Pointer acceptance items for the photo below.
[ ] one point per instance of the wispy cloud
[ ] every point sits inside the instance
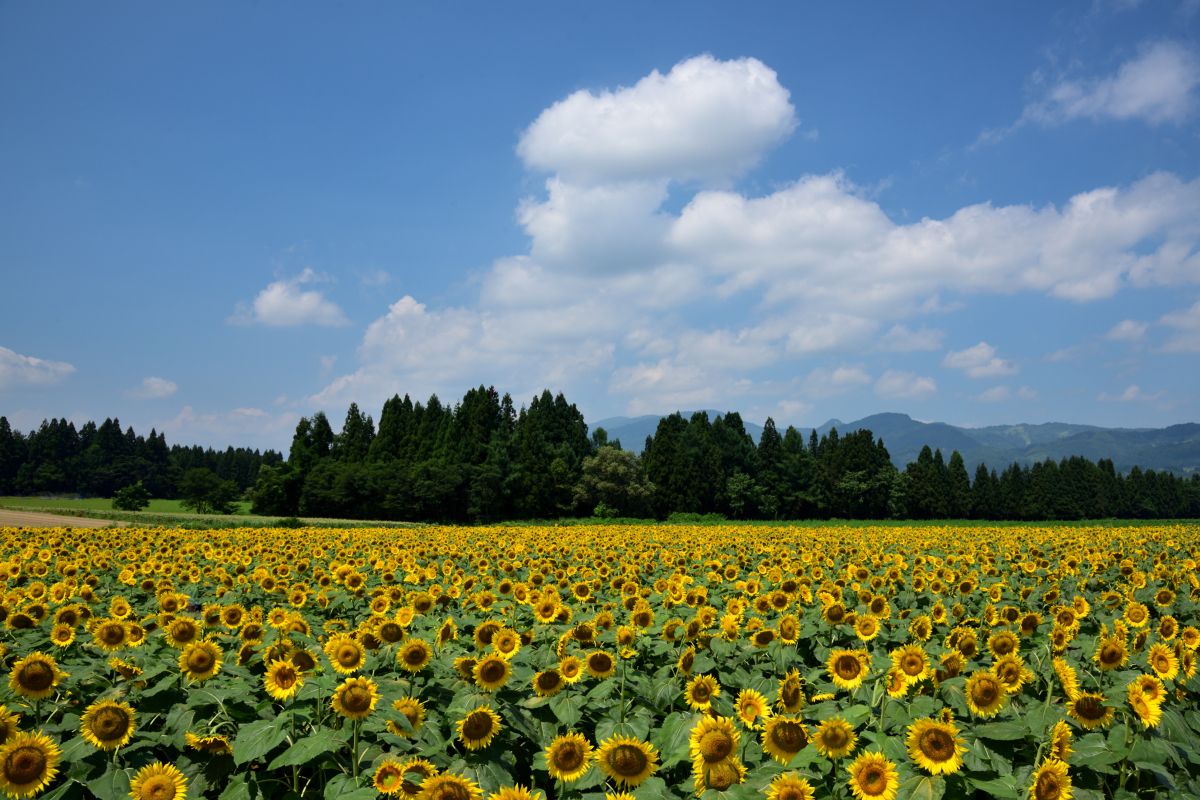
(153, 388)
(22, 370)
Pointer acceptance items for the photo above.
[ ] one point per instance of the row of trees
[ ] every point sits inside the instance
(98, 460)
(484, 460)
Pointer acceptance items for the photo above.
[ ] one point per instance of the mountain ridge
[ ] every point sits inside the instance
(1174, 448)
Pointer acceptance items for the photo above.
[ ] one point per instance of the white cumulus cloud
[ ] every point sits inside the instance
(704, 119)
(979, 361)
(286, 303)
(21, 370)
(154, 388)
(1127, 330)
(900, 384)
(1186, 327)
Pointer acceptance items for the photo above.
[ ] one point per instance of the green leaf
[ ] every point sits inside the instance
(1001, 731)
(1005, 788)
(112, 785)
(567, 708)
(305, 750)
(922, 787)
(257, 739)
(236, 789)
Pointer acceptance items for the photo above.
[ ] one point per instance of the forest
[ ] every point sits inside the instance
(485, 460)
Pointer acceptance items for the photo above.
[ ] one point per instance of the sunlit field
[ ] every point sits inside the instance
(601, 661)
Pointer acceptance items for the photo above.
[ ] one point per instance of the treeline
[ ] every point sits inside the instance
(98, 460)
(484, 460)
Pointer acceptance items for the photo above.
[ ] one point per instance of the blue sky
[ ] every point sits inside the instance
(216, 218)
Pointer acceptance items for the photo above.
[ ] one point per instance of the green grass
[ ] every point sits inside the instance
(102, 504)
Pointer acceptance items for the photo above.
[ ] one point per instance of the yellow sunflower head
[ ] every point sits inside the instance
(568, 757)
(600, 664)
(414, 655)
(200, 660)
(935, 746)
(752, 708)
(35, 676)
(389, 777)
(713, 739)
(835, 738)
(784, 737)
(848, 668)
(413, 711)
(700, 692)
(283, 679)
(873, 777)
(491, 672)
(986, 694)
(108, 724)
(346, 654)
(450, 787)
(477, 728)
(28, 763)
(158, 781)
(548, 683)
(791, 692)
(626, 760)
(1089, 710)
(1050, 781)
(355, 698)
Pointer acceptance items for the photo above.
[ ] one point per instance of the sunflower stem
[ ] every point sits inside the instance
(295, 767)
(354, 751)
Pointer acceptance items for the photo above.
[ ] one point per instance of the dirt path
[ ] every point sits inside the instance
(31, 519)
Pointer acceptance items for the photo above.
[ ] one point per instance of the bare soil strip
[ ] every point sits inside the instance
(33, 519)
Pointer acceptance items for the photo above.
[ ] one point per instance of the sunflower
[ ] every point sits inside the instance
(752, 708)
(1111, 653)
(866, 627)
(1136, 614)
(28, 763)
(200, 660)
(791, 692)
(686, 659)
(1088, 710)
(517, 792)
(789, 786)
(783, 738)
(713, 739)
(9, 723)
(717, 775)
(1050, 781)
(1060, 741)
(35, 676)
(548, 683)
(62, 635)
(1012, 672)
(182, 631)
(412, 710)
(912, 661)
(600, 664)
(215, 743)
(700, 691)
(158, 781)
(355, 698)
(414, 655)
(935, 746)
(835, 738)
(567, 757)
(1067, 677)
(1003, 643)
(450, 787)
(282, 679)
(506, 642)
(108, 724)
(389, 777)
(848, 668)
(985, 694)
(1148, 710)
(477, 729)
(571, 669)
(491, 672)
(627, 760)
(346, 654)
(1163, 661)
(873, 776)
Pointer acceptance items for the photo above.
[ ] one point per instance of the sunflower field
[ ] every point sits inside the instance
(601, 662)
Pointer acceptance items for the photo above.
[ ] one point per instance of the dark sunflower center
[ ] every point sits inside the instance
(788, 736)
(835, 738)
(285, 677)
(1047, 787)
(715, 746)
(549, 680)
(912, 664)
(985, 693)
(600, 662)
(1089, 708)
(1110, 653)
(36, 676)
(303, 660)
(478, 725)
(847, 667)
(25, 765)
(491, 671)
(112, 634)
(873, 779)
(1003, 646)
(568, 757)
(390, 632)
(200, 660)
(414, 656)
(159, 787)
(937, 745)
(790, 694)
(348, 655)
(628, 760)
(356, 699)
(686, 662)
(110, 724)
(722, 776)
(450, 791)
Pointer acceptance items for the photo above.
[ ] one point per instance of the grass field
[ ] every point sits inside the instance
(102, 504)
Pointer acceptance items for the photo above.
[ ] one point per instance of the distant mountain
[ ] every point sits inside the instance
(1175, 448)
(632, 431)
